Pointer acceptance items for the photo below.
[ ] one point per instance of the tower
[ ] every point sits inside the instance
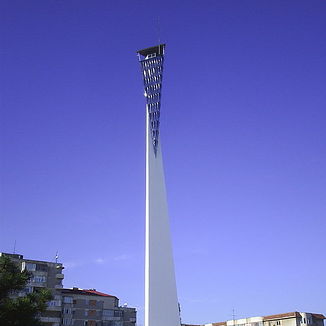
(161, 303)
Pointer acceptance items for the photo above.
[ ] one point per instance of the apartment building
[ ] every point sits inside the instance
(286, 319)
(73, 307)
(44, 275)
(92, 308)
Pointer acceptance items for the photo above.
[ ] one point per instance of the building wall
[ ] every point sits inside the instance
(281, 322)
(71, 306)
(129, 316)
(94, 310)
(286, 319)
(44, 275)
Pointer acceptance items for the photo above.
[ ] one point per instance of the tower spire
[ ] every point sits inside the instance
(161, 303)
(152, 60)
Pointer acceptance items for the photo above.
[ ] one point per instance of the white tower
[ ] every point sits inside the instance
(161, 303)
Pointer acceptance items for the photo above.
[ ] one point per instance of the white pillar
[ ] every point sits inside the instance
(161, 303)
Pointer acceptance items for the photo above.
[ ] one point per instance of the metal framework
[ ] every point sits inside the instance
(152, 60)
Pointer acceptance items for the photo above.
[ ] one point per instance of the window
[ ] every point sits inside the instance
(89, 323)
(28, 289)
(108, 313)
(92, 302)
(37, 289)
(38, 279)
(117, 323)
(67, 299)
(54, 303)
(118, 313)
(67, 310)
(67, 321)
(91, 313)
(42, 267)
(30, 267)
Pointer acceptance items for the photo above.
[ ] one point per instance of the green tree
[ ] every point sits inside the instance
(14, 310)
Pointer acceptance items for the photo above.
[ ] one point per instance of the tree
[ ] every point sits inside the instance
(19, 310)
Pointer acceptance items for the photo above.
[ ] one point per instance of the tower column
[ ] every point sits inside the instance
(161, 303)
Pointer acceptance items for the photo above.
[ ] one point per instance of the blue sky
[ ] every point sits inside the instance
(243, 135)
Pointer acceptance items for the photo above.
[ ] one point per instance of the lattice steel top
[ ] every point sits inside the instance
(151, 60)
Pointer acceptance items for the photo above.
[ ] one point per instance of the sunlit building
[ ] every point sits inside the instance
(45, 274)
(93, 308)
(72, 307)
(286, 319)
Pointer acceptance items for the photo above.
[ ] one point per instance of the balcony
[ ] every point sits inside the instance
(111, 318)
(54, 308)
(50, 320)
(36, 284)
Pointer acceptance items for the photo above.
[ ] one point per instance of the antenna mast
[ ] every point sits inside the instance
(158, 30)
(14, 247)
(233, 316)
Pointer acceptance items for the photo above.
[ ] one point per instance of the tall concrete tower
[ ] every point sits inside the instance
(161, 303)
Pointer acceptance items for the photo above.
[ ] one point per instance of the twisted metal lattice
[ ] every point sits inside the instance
(152, 69)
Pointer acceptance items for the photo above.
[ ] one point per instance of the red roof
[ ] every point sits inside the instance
(294, 314)
(282, 316)
(87, 292)
(99, 293)
(319, 316)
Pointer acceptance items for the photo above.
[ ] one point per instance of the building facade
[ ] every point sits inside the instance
(286, 319)
(73, 307)
(44, 275)
(93, 308)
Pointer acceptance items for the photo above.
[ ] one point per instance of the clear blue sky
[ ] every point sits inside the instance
(243, 135)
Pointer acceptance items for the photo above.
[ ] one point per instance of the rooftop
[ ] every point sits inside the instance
(158, 50)
(87, 292)
(294, 314)
(21, 257)
(283, 316)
